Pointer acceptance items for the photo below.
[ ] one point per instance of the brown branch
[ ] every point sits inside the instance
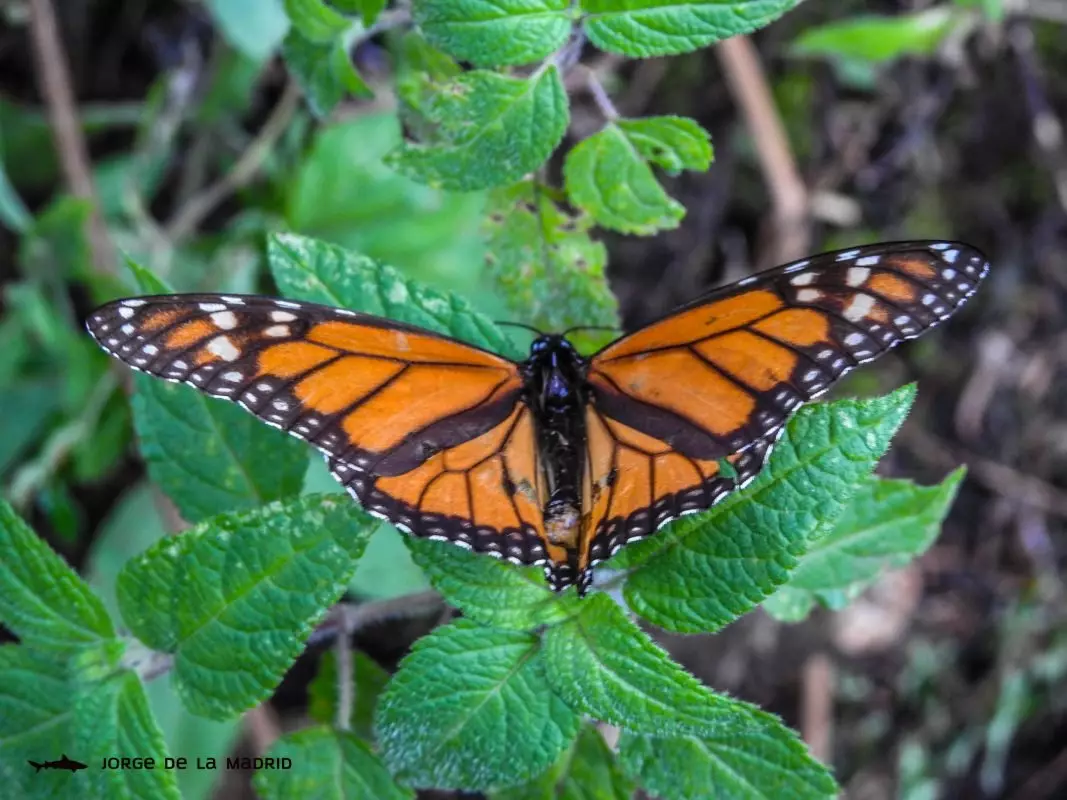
(53, 78)
(193, 213)
(748, 85)
(817, 706)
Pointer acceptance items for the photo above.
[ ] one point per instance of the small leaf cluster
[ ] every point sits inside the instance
(502, 700)
(484, 98)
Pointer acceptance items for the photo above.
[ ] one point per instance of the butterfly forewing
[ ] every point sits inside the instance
(425, 431)
(720, 377)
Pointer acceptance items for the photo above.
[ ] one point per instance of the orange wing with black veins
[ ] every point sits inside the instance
(719, 378)
(425, 431)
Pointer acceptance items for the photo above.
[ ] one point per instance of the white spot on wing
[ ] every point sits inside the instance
(212, 307)
(126, 312)
(808, 295)
(277, 331)
(282, 316)
(856, 276)
(226, 320)
(848, 255)
(223, 348)
(803, 279)
(859, 308)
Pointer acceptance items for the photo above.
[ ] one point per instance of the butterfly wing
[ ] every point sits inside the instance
(427, 432)
(719, 378)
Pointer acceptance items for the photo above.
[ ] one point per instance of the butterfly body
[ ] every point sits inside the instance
(560, 459)
(555, 390)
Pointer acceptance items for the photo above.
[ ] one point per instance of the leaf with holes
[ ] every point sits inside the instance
(673, 143)
(492, 130)
(606, 176)
(549, 269)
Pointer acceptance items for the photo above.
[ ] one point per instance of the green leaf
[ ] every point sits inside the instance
(887, 523)
(112, 718)
(673, 143)
(344, 193)
(994, 10)
(236, 597)
(493, 130)
(701, 573)
(548, 268)
(607, 668)
(132, 525)
(36, 719)
(190, 737)
(588, 771)
(495, 33)
(469, 708)
(490, 591)
(606, 176)
(324, 71)
(764, 763)
(13, 212)
(644, 28)
(316, 20)
(42, 600)
(255, 27)
(310, 270)
(326, 765)
(28, 406)
(368, 682)
(878, 39)
(368, 10)
(211, 456)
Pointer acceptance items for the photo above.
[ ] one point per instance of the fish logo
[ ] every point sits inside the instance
(63, 763)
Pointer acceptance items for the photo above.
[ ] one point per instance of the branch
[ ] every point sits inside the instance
(748, 85)
(193, 213)
(53, 78)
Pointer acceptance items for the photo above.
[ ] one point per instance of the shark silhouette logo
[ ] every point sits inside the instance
(62, 763)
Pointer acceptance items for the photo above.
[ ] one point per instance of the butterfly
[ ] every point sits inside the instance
(561, 459)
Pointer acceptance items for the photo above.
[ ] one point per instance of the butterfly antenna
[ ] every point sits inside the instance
(592, 328)
(530, 328)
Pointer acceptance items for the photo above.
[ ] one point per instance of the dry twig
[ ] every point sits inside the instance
(748, 85)
(53, 76)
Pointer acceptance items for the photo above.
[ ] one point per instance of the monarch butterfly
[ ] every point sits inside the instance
(560, 459)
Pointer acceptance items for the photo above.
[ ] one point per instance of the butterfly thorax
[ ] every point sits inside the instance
(555, 381)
